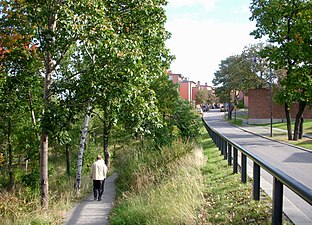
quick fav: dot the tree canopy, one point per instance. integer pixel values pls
(63, 61)
(287, 25)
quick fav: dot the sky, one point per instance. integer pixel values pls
(204, 32)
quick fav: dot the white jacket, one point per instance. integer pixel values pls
(98, 170)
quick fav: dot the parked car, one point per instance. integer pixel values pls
(205, 108)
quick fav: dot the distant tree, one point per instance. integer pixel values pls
(237, 73)
(204, 96)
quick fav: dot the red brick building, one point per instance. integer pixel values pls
(187, 89)
(259, 108)
(176, 78)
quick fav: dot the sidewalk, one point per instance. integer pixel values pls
(94, 212)
(263, 130)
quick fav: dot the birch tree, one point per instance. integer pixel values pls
(84, 132)
(122, 64)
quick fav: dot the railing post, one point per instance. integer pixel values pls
(256, 181)
(222, 146)
(277, 202)
(216, 139)
(225, 149)
(229, 156)
(220, 143)
(244, 168)
(235, 157)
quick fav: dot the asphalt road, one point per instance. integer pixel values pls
(295, 162)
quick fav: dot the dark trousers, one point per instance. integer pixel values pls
(98, 188)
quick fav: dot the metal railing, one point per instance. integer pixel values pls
(229, 150)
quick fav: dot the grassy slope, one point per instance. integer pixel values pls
(173, 199)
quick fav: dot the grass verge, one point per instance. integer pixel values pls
(304, 142)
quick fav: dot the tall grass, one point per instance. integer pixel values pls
(23, 206)
(165, 187)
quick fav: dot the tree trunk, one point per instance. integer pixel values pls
(301, 128)
(11, 177)
(230, 112)
(302, 105)
(46, 105)
(105, 142)
(229, 109)
(288, 121)
(67, 160)
(44, 170)
(44, 145)
(84, 132)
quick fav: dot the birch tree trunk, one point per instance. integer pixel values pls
(84, 132)
(33, 117)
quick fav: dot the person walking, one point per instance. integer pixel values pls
(98, 174)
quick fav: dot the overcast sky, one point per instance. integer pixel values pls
(204, 32)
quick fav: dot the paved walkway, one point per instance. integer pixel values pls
(92, 212)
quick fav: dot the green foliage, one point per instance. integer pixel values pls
(287, 25)
(240, 73)
(31, 179)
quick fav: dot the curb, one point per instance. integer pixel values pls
(281, 142)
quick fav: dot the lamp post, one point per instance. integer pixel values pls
(271, 104)
(270, 96)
